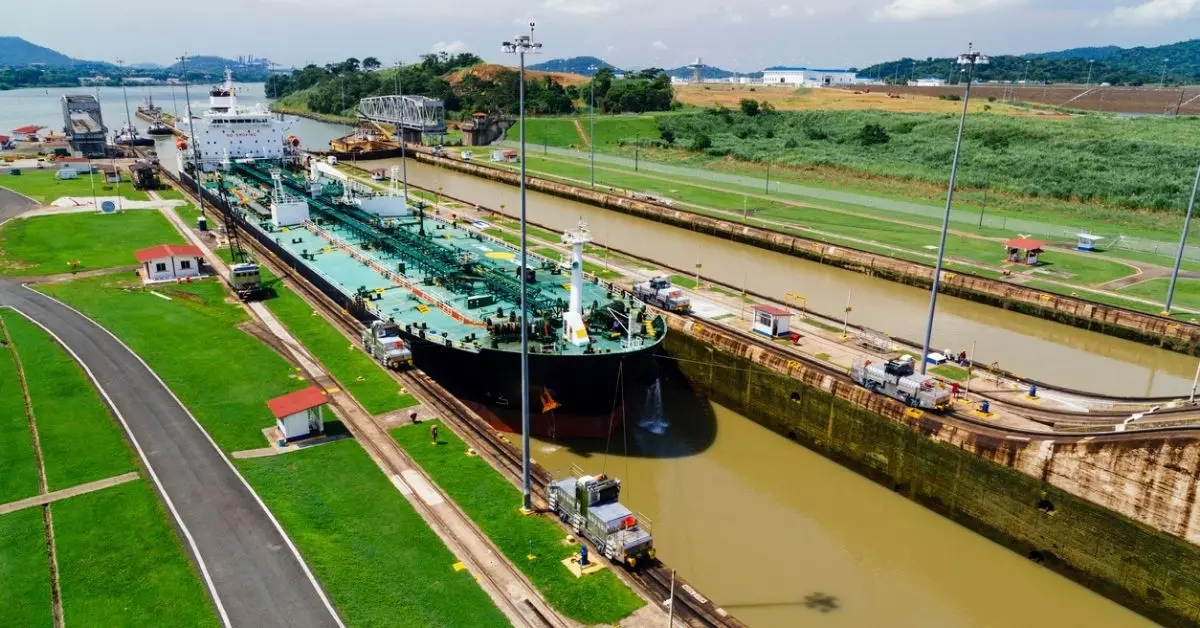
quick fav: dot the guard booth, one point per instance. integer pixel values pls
(1087, 242)
(771, 321)
(1024, 250)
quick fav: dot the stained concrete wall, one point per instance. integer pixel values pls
(1117, 515)
(1156, 330)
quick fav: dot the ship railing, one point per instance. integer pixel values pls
(391, 275)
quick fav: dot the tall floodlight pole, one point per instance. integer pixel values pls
(1163, 81)
(593, 70)
(1187, 223)
(1089, 78)
(970, 59)
(520, 46)
(400, 134)
(187, 102)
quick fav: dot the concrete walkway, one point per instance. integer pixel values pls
(80, 489)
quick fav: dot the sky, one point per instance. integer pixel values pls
(743, 35)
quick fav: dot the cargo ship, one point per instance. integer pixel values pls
(451, 289)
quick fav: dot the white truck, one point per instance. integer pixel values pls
(659, 292)
(382, 341)
(896, 379)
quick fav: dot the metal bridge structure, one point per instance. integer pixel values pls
(413, 114)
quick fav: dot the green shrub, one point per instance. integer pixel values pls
(872, 134)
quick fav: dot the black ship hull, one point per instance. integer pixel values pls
(571, 396)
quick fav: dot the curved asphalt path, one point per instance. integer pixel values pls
(253, 573)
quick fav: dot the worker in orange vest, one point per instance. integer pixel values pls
(433, 434)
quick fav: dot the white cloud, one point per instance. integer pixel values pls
(580, 7)
(911, 10)
(810, 11)
(658, 45)
(782, 10)
(1152, 12)
(611, 48)
(732, 16)
(452, 48)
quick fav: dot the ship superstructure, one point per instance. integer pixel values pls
(230, 130)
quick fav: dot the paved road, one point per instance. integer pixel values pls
(12, 204)
(255, 576)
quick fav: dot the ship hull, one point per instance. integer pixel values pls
(570, 396)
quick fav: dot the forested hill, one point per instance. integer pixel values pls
(1110, 64)
(585, 66)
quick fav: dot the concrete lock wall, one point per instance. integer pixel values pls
(1115, 321)
(1118, 516)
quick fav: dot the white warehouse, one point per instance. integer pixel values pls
(807, 77)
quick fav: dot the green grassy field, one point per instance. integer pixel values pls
(230, 402)
(490, 501)
(24, 570)
(610, 130)
(45, 245)
(19, 478)
(547, 131)
(43, 187)
(378, 559)
(1187, 292)
(170, 194)
(121, 564)
(80, 440)
(188, 213)
(361, 376)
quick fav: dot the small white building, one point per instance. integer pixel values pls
(169, 262)
(72, 167)
(299, 414)
(771, 321)
(807, 77)
(928, 81)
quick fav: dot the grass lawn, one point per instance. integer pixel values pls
(24, 570)
(18, 467)
(510, 238)
(683, 282)
(378, 559)
(80, 439)
(361, 376)
(188, 213)
(43, 187)
(600, 271)
(45, 245)
(951, 372)
(612, 129)
(170, 194)
(121, 564)
(549, 253)
(490, 501)
(229, 400)
(547, 131)
(1187, 291)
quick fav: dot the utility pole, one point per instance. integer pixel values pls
(198, 170)
(1187, 223)
(520, 46)
(768, 190)
(987, 185)
(970, 59)
(1163, 81)
(592, 143)
(400, 135)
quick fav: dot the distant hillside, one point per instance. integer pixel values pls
(574, 65)
(709, 72)
(215, 66)
(15, 51)
(1108, 64)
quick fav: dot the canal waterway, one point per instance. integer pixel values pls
(771, 531)
(1026, 345)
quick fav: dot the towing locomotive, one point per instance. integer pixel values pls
(896, 379)
(589, 505)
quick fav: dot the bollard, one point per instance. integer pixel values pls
(1033, 390)
(583, 555)
(984, 406)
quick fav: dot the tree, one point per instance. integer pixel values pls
(371, 63)
(872, 133)
(749, 106)
(701, 141)
(667, 135)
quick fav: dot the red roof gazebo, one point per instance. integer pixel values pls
(1024, 250)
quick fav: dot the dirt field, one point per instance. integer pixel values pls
(489, 71)
(789, 98)
(1096, 98)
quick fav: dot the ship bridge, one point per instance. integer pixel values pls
(412, 115)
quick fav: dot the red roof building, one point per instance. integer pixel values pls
(299, 414)
(1025, 244)
(4, 139)
(167, 250)
(771, 309)
(299, 401)
(1024, 250)
(29, 129)
(771, 321)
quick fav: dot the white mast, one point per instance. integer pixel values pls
(573, 327)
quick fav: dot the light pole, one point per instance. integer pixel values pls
(1089, 78)
(592, 143)
(198, 170)
(1187, 223)
(520, 46)
(970, 59)
(1163, 81)
(400, 134)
